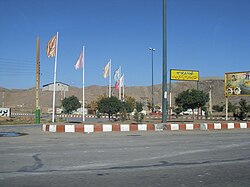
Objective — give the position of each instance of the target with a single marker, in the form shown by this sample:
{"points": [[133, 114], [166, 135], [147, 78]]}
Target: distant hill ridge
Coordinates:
{"points": [[23, 100]]}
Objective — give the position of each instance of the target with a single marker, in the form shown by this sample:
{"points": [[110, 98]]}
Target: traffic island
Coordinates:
{"points": [[92, 128]]}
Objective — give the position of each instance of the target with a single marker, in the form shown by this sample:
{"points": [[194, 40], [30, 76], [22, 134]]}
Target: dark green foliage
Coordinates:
{"points": [[243, 109], [138, 106], [218, 108], [178, 110], [109, 106], [138, 117], [231, 107], [191, 99], [70, 104]]}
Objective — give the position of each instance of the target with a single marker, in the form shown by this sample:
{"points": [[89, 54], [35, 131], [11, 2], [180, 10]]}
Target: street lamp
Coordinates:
{"points": [[152, 49]]}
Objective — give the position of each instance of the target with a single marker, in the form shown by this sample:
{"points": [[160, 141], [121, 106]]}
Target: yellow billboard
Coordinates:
{"points": [[237, 83], [184, 75]]}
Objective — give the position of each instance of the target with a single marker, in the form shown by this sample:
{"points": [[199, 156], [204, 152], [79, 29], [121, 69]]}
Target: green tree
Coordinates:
{"points": [[70, 104], [231, 107], [109, 106], [243, 109], [218, 108], [138, 116], [131, 102], [138, 106], [191, 99]]}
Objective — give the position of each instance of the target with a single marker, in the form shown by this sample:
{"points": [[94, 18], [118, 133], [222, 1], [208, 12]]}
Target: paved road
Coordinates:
{"points": [[198, 158]]}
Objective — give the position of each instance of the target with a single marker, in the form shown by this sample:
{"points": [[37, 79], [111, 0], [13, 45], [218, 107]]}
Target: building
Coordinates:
{"points": [[59, 87]]}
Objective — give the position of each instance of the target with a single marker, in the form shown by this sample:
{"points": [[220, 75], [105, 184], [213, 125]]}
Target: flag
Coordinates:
{"points": [[117, 74], [106, 70], [51, 47], [116, 85], [122, 81], [80, 61]]}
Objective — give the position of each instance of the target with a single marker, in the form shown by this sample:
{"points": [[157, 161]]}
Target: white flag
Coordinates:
{"points": [[106, 70], [80, 61], [117, 74], [122, 81]]}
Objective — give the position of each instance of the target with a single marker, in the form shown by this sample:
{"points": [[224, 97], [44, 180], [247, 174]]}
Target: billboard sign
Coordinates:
{"points": [[184, 75], [237, 84]]}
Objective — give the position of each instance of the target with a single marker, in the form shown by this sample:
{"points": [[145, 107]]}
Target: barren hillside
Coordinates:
{"points": [[24, 100]]}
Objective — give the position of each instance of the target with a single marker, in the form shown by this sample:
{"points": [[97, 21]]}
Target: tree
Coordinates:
{"points": [[243, 109], [131, 102], [138, 106], [231, 107], [138, 117], [109, 106], [218, 108], [70, 104], [191, 99]]}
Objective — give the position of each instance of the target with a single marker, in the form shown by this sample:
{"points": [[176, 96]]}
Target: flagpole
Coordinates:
{"points": [[123, 94], [54, 89], [110, 79], [83, 84], [120, 84]]}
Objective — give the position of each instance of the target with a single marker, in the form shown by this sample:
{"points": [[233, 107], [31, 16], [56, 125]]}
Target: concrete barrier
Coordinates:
{"points": [[91, 128]]}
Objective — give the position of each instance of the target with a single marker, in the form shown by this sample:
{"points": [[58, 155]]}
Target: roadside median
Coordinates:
{"points": [[92, 128]]}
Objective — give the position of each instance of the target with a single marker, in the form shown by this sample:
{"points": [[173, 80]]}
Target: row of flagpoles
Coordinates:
{"points": [[51, 51], [119, 80]]}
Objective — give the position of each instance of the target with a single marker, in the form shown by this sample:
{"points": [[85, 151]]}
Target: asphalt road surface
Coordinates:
{"points": [[197, 158]]}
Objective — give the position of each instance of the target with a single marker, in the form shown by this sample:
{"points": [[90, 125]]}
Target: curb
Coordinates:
{"points": [[91, 128]]}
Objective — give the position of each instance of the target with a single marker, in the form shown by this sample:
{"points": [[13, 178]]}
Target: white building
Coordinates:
{"points": [[59, 87]]}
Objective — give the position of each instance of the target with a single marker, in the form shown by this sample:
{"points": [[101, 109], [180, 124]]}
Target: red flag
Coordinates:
{"points": [[116, 86]]}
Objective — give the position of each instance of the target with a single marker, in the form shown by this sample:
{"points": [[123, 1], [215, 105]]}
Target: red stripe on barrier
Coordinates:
{"points": [[116, 127], [248, 125], [196, 126], [79, 128], [150, 127], [224, 126], [47, 128], [210, 126], [182, 126], [60, 128], [236, 125], [98, 128], [133, 127]]}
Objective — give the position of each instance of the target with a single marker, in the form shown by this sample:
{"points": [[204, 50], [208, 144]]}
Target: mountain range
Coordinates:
{"points": [[23, 100]]}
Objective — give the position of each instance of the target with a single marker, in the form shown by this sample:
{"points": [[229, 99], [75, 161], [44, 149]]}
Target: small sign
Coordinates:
{"points": [[4, 112], [184, 75]]}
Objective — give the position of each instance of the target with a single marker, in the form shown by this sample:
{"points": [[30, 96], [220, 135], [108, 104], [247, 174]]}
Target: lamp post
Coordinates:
{"points": [[152, 49], [164, 64]]}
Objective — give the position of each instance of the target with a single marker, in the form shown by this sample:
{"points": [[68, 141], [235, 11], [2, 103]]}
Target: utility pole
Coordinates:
{"points": [[164, 66], [152, 49], [37, 80], [210, 100], [3, 104]]}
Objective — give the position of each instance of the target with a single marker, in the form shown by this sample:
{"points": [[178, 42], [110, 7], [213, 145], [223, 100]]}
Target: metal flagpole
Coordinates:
{"points": [[123, 94], [120, 84], [54, 90], [110, 78], [83, 84]]}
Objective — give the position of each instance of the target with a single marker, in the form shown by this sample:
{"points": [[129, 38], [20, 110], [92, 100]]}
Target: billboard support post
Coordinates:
{"points": [[226, 108]]}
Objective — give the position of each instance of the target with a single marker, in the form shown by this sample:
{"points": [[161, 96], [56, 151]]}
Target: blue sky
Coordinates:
{"points": [[211, 36]]}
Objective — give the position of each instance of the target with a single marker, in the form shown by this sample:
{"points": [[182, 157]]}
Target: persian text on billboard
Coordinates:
{"points": [[184, 75], [237, 84]]}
